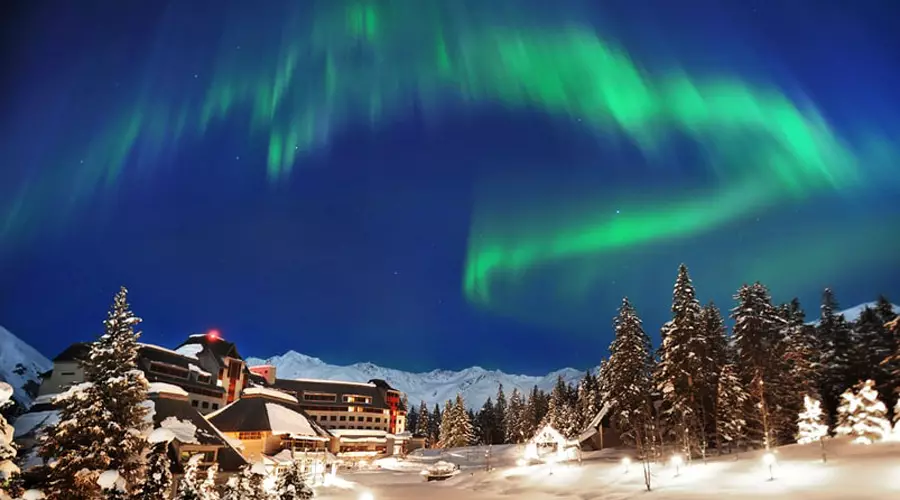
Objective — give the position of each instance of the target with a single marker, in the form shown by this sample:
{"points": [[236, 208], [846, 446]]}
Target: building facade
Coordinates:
{"points": [[338, 405]]}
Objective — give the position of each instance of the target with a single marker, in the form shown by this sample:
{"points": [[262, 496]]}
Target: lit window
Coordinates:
{"points": [[243, 436]]}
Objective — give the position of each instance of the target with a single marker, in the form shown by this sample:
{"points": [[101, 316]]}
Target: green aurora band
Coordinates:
{"points": [[334, 63]]}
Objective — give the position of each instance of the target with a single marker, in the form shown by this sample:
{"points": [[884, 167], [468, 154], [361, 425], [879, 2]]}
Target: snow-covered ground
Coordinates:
{"points": [[856, 472]]}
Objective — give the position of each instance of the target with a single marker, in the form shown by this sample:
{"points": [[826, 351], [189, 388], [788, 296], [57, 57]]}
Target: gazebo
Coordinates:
{"points": [[549, 445]]}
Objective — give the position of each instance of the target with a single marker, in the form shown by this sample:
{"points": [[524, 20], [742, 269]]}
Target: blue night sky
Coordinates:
{"points": [[357, 248]]}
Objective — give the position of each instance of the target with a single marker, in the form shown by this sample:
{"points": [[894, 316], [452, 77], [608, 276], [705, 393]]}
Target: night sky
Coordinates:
{"points": [[436, 184]]}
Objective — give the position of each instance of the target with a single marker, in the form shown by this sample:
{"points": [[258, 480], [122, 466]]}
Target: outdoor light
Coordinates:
{"points": [[769, 460], [625, 463], [677, 461], [366, 496], [213, 334], [521, 462]]}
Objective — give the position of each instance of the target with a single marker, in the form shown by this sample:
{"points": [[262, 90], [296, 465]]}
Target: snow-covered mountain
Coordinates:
{"points": [[21, 366], [852, 314], [475, 384]]}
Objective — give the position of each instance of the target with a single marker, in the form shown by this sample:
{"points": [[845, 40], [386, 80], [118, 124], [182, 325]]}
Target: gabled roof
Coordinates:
{"points": [[251, 414], [75, 352], [166, 406]]}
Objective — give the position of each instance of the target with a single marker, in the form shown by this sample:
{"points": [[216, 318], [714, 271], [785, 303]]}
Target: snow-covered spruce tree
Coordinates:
{"points": [[446, 419], [757, 340], [459, 426], [434, 426], [474, 434], [683, 355], [713, 327], [810, 424], [190, 483], [835, 345], [486, 422], [423, 426], [802, 352], [208, 488], [232, 490], [100, 420], [249, 484], [500, 413], [731, 407], [291, 485], [629, 382], [588, 404], [514, 415], [559, 414], [157, 483], [7, 448], [897, 419], [862, 415], [885, 309]]}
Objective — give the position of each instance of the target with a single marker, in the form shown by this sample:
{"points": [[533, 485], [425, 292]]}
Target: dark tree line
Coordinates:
{"points": [[703, 388]]}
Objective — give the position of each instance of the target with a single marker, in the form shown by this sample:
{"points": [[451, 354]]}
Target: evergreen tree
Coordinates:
{"points": [[836, 347], [714, 332], [412, 419], [474, 431], [810, 426], [157, 483], [683, 357], [292, 486], [447, 420], [208, 490], [434, 425], [515, 413], [731, 403], [500, 414], [872, 344], [189, 488], [560, 411], [588, 403], [487, 421], [862, 414], [897, 418], [628, 377], [250, 483], [7, 448], [885, 309], [423, 426], [232, 490], [101, 421], [759, 347], [802, 352]]}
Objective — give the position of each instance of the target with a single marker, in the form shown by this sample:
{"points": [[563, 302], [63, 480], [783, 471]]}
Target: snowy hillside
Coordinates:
{"points": [[21, 366], [852, 314], [475, 384]]}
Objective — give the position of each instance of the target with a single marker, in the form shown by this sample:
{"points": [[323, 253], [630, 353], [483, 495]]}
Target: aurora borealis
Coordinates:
{"points": [[704, 133]]}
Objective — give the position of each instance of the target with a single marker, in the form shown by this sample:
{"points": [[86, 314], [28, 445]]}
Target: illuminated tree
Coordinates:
{"points": [[810, 426], [862, 414], [731, 403]]}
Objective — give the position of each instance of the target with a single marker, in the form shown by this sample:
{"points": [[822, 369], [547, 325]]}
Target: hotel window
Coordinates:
{"points": [[194, 403], [355, 398], [351, 418], [175, 371], [316, 396], [215, 406], [333, 418], [343, 418], [368, 419], [243, 436], [377, 420], [68, 374], [205, 405]]}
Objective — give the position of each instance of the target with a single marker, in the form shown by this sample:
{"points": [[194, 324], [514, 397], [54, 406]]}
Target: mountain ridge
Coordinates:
{"points": [[475, 383]]}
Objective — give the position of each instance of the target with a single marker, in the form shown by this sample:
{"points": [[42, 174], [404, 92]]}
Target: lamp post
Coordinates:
{"points": [[625, 463], [677, 461], [769, 460]]}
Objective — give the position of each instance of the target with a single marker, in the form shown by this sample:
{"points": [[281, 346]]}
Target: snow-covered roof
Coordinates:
{"points": [[164, 388], [284, 421], [33, 421], [190, 350], [265, 391], [184, 430], [322, 381]]}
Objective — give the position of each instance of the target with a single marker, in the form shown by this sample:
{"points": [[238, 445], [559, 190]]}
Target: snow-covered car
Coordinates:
{"points": [[440, 471]]}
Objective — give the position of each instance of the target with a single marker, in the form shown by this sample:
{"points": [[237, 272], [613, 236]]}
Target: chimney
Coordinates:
{"points": [[265, 371]]}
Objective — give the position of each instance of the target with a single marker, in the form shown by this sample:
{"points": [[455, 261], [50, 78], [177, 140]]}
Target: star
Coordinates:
{"points": [[396, 273]]}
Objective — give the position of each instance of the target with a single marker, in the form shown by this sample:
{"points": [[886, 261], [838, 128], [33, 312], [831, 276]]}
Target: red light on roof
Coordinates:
{"points": [[213, 334]]}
